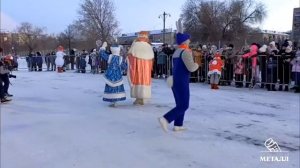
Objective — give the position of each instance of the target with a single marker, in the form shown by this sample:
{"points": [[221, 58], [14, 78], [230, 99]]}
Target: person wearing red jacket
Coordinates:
{"points": [[253, 55], [215, 70]]}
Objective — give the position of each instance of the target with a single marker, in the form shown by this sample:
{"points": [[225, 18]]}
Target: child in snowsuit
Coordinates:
{"points": [[215, 70], [239, 72], [114, 87]]}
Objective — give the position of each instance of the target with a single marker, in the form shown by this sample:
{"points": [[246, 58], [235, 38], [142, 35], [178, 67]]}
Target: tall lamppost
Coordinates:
{"points": [[164, 15]]}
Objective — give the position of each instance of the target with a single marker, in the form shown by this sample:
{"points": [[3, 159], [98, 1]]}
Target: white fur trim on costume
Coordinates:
{"points": [[121, 60], [141, 92], [115, 50], [114, 95], [141, 50], [213, 71], [128, 73], [109, 58], [104, 45], [111, 84]]}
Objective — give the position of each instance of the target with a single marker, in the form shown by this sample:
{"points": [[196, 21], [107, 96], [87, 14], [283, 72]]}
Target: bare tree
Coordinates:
{"points": [[30, 35], [97, 20], [212, 21], [240, 14], [67, 38], [190, 17]]}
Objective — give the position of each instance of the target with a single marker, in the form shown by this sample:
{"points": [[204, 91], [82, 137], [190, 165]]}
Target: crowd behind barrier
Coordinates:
{"points": [[273, 72]]}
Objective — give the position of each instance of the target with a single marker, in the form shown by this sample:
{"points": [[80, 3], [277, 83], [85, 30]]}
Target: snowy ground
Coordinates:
{"points": [[60, 121]]}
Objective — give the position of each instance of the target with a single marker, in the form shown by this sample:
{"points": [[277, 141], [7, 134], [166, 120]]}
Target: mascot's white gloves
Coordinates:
{"points": [[104, 45], [170, 81]]}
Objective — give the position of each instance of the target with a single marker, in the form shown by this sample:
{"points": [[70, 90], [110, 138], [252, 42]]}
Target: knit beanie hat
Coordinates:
{"points": [[181, 37]]}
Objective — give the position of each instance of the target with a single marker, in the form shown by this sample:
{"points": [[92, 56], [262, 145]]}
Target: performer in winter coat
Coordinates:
{"points": [[215, 70], [140, 60], [59, 61], [114, 87], [183, 64]]}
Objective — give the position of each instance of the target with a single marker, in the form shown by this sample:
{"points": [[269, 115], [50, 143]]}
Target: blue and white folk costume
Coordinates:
{"points": [[114, 87]]}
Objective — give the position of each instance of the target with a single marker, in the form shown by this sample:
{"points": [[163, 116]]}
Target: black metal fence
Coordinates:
{"points": [[271, 71]]}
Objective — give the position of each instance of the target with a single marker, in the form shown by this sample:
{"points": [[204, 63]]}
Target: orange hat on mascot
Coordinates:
{"points": [[143, 36], [60, 48]]}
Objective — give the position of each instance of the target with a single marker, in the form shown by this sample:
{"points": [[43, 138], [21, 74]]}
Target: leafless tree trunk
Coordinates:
{"points": [[212, 21], [30, 35], [97, 20]]}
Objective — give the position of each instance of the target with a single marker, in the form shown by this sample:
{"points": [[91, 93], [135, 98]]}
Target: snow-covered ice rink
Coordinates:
{"points": [[60, 121]]}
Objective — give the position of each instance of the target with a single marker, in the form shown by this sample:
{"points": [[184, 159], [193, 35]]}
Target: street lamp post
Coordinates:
{"points": [[164, 15]]}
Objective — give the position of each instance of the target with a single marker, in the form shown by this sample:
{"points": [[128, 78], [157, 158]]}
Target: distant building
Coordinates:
{"points": [[266, 36], [9, 41], [276, 36], [155, 36], [296, 26]]}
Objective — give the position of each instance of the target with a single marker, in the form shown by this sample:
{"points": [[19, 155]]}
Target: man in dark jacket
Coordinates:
{"points": [[3, 71]]}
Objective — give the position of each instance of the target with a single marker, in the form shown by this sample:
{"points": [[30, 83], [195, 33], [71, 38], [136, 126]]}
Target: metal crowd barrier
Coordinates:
{"points": [[272, 71]]}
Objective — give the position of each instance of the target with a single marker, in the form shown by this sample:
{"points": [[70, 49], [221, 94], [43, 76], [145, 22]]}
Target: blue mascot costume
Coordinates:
{"points": [[183, 64]]}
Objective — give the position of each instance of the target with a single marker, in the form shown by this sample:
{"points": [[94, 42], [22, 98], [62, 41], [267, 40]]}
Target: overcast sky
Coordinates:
{"points": [[133, 15]]}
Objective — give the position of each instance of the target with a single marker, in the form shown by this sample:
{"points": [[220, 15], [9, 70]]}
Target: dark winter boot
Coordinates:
{"points": [[8, 95], [212, 86], [297, 89], [4, 100]]}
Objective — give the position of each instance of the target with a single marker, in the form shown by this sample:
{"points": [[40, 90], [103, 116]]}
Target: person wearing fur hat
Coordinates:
{"points": [[296, 71], [140, 60], [114, 88], [183, 65], [215, 70], [59, 61]]}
